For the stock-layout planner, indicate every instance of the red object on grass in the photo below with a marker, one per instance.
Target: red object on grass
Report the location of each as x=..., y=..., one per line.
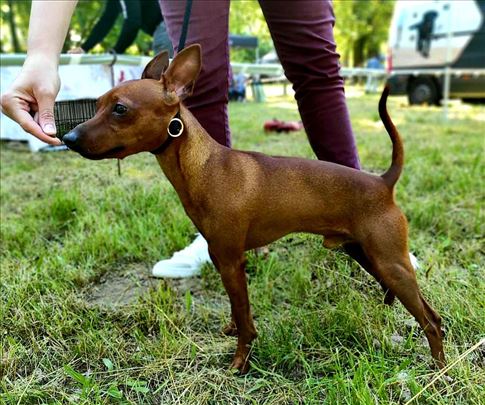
x=275, y=125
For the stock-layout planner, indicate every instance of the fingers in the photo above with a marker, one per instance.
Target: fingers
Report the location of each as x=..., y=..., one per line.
x=28, y=94
x=30, y=125
x=46, y=113
x=18, y=109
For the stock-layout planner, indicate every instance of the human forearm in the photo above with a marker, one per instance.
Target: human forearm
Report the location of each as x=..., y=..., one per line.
x=45, y=36
x=30, y=99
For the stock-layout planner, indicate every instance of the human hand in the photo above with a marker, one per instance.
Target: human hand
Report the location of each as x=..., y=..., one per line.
x=30, y=99
x=77, y=50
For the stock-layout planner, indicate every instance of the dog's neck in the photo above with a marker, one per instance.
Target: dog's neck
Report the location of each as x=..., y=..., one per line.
x=184, y=159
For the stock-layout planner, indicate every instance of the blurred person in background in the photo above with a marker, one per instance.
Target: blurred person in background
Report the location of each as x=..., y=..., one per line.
x=237, y=89
x=137, y=14
x=376, y=62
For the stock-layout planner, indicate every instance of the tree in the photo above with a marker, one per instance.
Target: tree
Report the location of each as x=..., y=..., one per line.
x=13, y=27
x=361, y=28
x=14, y=20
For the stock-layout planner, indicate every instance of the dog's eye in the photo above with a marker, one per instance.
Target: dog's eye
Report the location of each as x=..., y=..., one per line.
x=120, y=109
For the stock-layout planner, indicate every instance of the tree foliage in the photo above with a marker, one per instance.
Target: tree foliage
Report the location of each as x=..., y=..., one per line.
x=246, y=18
x=360, y=31
x=361, y=28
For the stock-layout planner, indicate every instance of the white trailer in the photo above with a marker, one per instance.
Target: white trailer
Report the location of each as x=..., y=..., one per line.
x=432, y=39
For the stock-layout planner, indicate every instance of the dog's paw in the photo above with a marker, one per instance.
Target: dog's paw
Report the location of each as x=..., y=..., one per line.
x=239, y=365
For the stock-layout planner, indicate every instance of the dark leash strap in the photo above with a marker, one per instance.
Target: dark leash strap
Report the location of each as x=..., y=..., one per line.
x=185, y=25
x=112, y=77
x=183, y=37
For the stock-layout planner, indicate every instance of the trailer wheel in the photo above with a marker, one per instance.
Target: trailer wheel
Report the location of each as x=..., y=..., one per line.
x=423, y=91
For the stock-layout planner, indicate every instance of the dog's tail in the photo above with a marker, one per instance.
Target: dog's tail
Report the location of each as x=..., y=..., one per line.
x=392, y=174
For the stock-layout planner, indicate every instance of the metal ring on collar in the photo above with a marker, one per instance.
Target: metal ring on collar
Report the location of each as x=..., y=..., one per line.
x=175, y=127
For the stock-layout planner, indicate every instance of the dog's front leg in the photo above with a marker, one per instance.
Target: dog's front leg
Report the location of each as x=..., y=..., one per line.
x=231, y=266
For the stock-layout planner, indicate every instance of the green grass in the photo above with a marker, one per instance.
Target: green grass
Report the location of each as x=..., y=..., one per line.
x=70, y=226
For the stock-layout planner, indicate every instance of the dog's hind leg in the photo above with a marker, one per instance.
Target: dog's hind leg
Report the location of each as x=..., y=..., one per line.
x=387, y=252
x=402, y=282
x=355, y=251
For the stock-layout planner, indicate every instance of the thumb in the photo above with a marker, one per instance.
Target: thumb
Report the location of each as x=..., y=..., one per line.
x=46, y=114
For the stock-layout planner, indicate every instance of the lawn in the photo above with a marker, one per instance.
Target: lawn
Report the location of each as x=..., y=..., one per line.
x=82, y=322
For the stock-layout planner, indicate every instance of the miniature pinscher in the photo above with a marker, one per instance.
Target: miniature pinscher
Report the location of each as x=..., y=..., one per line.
x=244, y=200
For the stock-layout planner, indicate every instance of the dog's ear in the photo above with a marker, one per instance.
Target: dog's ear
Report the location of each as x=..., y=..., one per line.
x=156, y=66
x=183, y=71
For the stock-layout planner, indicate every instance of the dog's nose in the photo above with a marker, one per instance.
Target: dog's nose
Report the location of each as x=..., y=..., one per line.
x=71, y=139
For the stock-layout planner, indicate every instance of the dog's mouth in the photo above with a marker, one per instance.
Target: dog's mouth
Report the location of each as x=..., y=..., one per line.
x=111, y=153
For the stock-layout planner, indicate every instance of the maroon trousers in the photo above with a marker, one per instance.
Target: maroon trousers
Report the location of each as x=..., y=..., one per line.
x=302, y=32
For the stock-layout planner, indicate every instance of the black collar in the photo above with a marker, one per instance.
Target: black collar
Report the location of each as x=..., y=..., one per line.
x=165, y=144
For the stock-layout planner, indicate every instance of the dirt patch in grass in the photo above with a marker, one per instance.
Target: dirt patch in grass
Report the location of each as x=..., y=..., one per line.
x=124, y=286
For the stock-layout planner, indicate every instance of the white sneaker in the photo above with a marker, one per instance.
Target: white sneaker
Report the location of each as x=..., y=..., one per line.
x=414, y=261
x=185, y=263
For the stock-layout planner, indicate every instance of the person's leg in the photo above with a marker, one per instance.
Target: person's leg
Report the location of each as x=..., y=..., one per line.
x=208, y=26
x=302, y=33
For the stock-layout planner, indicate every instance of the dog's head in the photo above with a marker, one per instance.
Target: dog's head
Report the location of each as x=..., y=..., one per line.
x=133, y=117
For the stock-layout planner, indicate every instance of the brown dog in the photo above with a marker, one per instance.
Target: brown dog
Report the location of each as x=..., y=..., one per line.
x=243, y=200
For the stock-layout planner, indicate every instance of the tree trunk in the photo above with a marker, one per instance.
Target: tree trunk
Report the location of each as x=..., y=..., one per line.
x=13, y=28
x=359, y=51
